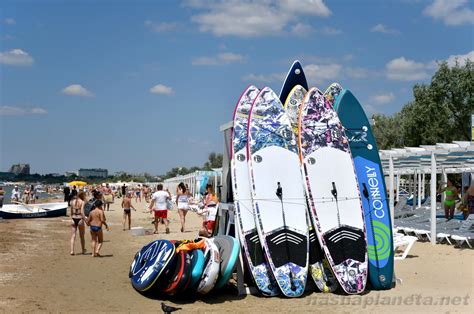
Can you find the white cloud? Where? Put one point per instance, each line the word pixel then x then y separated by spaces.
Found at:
pixel 220 59
pixel 402 69
pixel 16 57
pixel 321 73
pixel 460 58
pixel 264 78
pixel 329 31
pixel 9 21
pixel 247 18
pixel 161 27
pixel 161 89
pixel 76 90
pixel 302 29
pixel 380 28
pixel 20 111
pixel 382 99
pixel 359 72
pixel 451 12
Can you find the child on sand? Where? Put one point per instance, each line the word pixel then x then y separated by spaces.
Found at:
pixel 210 210
pixel 96 220
pixel 127 209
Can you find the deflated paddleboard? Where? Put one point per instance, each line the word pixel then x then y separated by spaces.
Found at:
pixel 197 264
pixel 372 184
pixel 247 230
pixel 277 193
pixel 150 262
pixel 211 269
pixel 332 190
pixel 294 77
pixel 229 251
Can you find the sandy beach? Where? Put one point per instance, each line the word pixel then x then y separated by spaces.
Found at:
pixel 37 274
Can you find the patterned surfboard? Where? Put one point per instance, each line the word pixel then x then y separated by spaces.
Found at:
pixel 318 265
pixel 278 193
pixel 333 193
pixel 246 228
pixel 332 93
pixel 294 77
pixel 372 186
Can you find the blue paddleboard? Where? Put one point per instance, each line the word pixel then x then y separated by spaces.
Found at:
pixel 294 77
pixel 372 188
pixel 197 264
pixel 149 263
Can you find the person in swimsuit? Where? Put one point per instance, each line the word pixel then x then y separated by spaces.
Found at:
pixel 77 216
pixel 95 221
pixel 451 195
pixel 469 201
pixel 138 194
pixel 2 196
pixel 127 209
pixel 26 195
pixel 210 211
pixel 108 196
pixel 182 201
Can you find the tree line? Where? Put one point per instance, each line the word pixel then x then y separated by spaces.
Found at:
pixel 440 112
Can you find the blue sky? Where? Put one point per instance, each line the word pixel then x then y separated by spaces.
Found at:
pixel 144 85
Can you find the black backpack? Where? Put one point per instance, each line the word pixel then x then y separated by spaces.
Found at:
pixel 89 206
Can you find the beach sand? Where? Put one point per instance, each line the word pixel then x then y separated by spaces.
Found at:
pixel 38 274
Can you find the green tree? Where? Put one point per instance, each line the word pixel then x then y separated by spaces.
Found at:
pixel 440 111
pixel 214 161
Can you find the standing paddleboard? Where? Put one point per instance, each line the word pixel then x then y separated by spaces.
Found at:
pixel 318 265
pixel 150 262
pixel 278 193
pixel 247 229
pixel 372 185
pixel 332 94
pixel 333 193
pixel 294 77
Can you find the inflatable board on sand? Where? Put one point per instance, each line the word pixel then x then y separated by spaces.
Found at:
pixel 372 186
pixel 150 262
pixel 246 228
pixel 278 193
pixel 332 190
pixel 229 251
pixel 211 268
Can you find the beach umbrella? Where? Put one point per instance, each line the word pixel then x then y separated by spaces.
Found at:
pixel 77 183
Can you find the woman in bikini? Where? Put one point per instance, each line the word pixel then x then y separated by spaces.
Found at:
pixel 182 200
pixel 77 215
pixel 451 195
pixel 96 220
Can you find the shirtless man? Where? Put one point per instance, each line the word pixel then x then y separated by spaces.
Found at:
pixel 127 209
pixel 108 196
pixel 96 220
pixel 2 196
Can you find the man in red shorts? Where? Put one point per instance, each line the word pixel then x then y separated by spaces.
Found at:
pixel 158 206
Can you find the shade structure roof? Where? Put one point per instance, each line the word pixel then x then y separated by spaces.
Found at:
pixel 455 157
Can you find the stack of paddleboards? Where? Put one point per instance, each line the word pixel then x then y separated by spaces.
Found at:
pixel 175 267
pixel 309 190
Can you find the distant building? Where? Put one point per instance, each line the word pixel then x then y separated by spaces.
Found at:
pixel 93 173
pixel 20 169
pixel 70 173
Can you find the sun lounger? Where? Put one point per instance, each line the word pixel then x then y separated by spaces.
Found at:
pixel 404 243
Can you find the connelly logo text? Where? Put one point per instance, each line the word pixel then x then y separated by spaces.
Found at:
pixel 376 199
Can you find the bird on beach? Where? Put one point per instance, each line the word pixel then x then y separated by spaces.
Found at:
pixel 168 309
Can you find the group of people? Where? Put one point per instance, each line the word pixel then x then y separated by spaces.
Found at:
pixel 452 196
pixel 93 216
pixel 29 196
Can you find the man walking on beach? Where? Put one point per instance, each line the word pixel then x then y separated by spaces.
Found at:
pixel 108 196
pixel 127 209
pixel 158 206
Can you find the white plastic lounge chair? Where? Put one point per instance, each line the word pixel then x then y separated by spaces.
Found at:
pixel 404 243
pixel 465 233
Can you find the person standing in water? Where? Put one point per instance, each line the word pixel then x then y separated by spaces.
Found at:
pixel 182 201
pixel 451 195
pixel 78 217
pixel 127 210
pixel 158 206
pixel 96 220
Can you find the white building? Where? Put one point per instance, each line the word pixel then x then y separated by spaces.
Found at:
pixel 93 173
